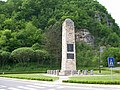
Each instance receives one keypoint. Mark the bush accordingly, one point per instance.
(29, 78)
(93, 82)
(22, 55)
(4, 57)
(41, 56)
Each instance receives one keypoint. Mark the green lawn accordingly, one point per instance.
(98, 78)
(30, 76)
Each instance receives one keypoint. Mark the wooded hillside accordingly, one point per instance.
(30, 31)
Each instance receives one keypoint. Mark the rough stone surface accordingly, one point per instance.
(68, 37)
(83, 35)
(91, 72)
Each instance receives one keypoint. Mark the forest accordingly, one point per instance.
(30, 33)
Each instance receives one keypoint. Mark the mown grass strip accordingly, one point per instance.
(23, 72)
(95, 80)
(39, 77)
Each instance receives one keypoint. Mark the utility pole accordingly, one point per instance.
(101, 50)
(99, 62)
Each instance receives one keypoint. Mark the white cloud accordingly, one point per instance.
(113, 7)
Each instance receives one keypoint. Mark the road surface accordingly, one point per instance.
(19, 84)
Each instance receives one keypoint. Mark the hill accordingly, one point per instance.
(37, 24)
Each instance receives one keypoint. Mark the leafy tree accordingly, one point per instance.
(111, 52)
(37, 24)
(22, 55)
(113, 40)
(4, 39)
(4, 58)
(2, 19)
(8, 41)
(53, 43)
(36, 46)
(41, 57)
(30, 35)
(85, 55)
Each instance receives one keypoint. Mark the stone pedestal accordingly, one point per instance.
(91, 72)
(79, 72)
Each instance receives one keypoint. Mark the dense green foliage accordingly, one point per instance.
(36, 24)
(111, 52)
(94, 82)
(22, 55)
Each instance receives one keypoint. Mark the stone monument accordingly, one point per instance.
(68, 64)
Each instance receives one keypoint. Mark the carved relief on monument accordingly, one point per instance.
(70, 36)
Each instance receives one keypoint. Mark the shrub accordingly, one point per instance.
(22, 55)
(93, 82)
(4, 57)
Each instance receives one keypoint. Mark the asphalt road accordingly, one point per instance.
(19, 84)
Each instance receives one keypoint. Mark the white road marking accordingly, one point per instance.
(28, 88)
(60, 87)
(86, 88)
(51, 89)
(13, 88)
(35, 86)
(2, 86)
(44, 85)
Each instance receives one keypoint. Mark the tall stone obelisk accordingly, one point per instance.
(68, 47)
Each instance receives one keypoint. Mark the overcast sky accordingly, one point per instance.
(113, 7)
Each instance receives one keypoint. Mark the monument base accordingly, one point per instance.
(68, 72)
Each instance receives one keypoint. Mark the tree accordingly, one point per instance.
(85, 55)
(22, 55)
(4, 39)
(36, 46)
(111, 52)
(37, 24)
(8, 41)
(30, 35)
(4, 58)
(53, 43)
(41, 57)
(2, 19)
(113, 39)
(9, 24)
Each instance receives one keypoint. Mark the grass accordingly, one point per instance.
(103, 78)
(33, 73)
(26, 68)
(97, 78)
(36, 76)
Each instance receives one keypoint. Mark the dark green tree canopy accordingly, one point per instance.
(37, 24)
(88, 14)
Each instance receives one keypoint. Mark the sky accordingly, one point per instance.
(113, 7)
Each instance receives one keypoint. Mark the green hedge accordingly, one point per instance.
(93, 82)
(23, 72)
(116, 71)
(28, 78)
